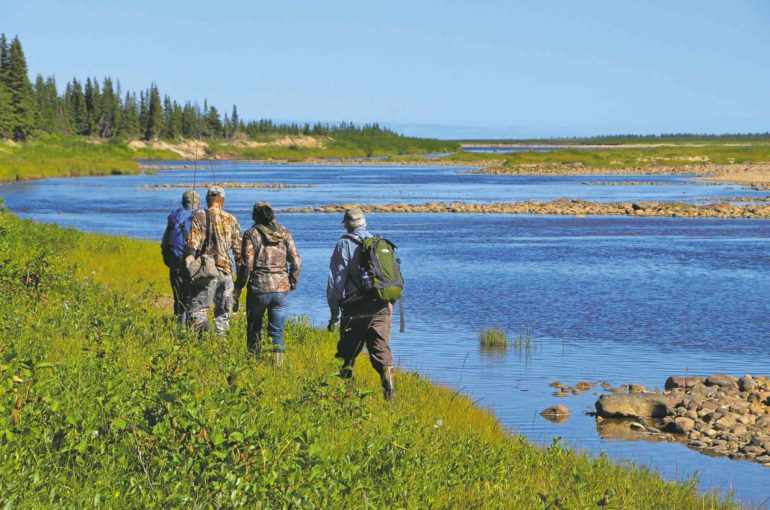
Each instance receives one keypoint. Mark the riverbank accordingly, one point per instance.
(563, 206)
(108, 403)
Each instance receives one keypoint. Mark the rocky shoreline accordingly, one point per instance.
(204, 185)
(562, 206)
(719, 415)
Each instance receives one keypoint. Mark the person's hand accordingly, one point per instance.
(332, 321)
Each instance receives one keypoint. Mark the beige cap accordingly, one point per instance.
(352, 214)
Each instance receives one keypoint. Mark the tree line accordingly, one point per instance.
(97, 108)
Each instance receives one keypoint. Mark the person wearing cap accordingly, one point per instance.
(365, 320)
(270, 266)
(172, 248)
(224, 237)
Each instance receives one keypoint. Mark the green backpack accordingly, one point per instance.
(379, 268)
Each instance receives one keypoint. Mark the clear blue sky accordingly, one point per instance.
(444, 68)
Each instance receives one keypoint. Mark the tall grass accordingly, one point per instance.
(104, 402)
(64, 156)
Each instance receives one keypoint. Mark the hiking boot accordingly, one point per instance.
(278, 359)
(388, 378)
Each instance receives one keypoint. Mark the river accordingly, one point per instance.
(617, 299)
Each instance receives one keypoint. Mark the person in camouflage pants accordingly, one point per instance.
(268, 249)
(224, 236)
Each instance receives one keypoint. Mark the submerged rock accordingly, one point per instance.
(633, 405)
(556, 414)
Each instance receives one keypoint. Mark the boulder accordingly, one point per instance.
(634, 405)
(689, 381)
(680, 425)
(637, 388)
(722, 380)
(746, 383)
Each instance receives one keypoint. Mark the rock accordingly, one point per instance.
(556, 384)
(676, 381)
(556, 414)
(725, 422)
(756, 450)
(763, 459)
(740, 430)
(637, 426)
(633, 405)
(680, 425)
(763, 421)
(583, 385)
(746, 383)
(637, 388)
(722, 380)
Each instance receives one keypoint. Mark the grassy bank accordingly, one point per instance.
(105, 403)
(65, 156)
(339, 146)
(693, 158)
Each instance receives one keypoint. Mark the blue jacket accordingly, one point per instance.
(343, 264)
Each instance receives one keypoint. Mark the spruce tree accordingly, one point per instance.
(235, 122)
(176, 119)
(154, 125)
(5, 54)
(189, 121)
(129, 118)
(78, 115)
(107, 123)
(22, 98)
(214, 122)
(5, 106)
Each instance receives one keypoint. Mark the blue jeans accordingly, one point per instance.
(277, 306)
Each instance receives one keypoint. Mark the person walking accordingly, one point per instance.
(366, 319)
(218, 234)
(270, 267)
(172, 247)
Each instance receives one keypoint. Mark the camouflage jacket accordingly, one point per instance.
(226, 237)
(266, 253)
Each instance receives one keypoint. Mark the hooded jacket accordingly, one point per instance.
(270, 261)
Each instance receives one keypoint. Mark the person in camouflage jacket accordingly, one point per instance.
(222, 238)
(270, 267)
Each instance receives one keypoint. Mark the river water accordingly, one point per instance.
(623, 300)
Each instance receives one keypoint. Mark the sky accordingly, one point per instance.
(449, 69)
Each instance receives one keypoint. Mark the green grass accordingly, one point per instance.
(105, 403)
(630, 157)
(493, 338)
(338, 147)
(66, 156)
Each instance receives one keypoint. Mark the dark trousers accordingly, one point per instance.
(366, 323)
(180, 288)
(277, 305)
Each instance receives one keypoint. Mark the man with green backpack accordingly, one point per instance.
(364, 283)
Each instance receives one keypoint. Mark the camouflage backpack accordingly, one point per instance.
(379, 268)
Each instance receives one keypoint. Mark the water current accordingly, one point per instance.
(623, 300)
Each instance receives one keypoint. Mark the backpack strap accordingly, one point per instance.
(352, 237)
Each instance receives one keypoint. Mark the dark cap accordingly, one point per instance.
(191, 197)
(353, 214)
(216, 191)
